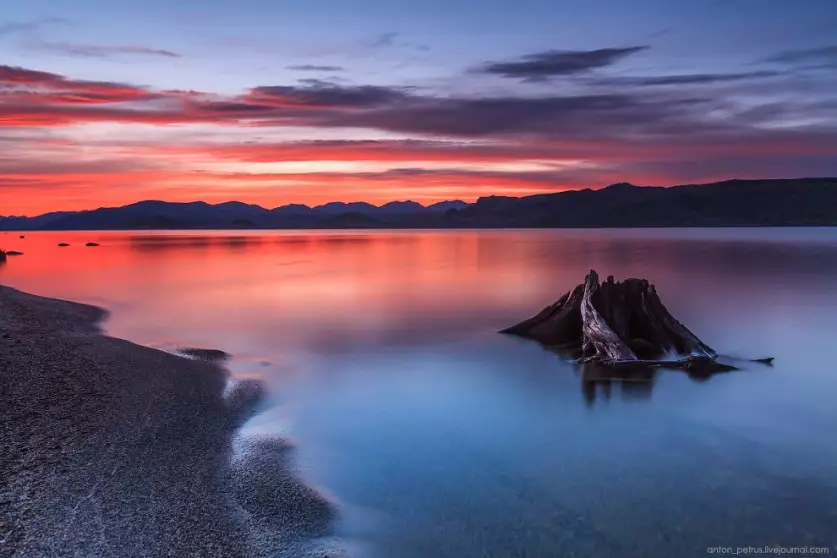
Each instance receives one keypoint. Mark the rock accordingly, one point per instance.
(21, 236)
(63, 244)
(92, 244)
(14, 253)
(2, 256)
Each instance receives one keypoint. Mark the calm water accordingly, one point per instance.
(444, 439)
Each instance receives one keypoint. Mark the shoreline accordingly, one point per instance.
(115, 449)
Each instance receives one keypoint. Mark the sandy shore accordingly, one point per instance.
(108, 448)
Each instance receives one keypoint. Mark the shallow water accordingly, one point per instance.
(442, 438)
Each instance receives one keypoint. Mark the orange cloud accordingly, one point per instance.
(372, 150)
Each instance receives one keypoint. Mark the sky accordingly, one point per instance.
(104, 103)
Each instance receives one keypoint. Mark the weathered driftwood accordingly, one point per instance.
(597, 335)
(620, 324)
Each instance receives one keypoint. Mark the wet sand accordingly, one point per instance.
(108, 448)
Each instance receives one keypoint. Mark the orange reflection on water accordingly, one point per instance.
(339, 285)
(329, 291)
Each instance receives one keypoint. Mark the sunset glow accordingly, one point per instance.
(366, 114)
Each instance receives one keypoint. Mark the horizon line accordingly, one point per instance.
(621, 183)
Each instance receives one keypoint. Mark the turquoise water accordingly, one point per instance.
(441, 438)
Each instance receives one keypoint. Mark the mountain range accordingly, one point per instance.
(780, 202)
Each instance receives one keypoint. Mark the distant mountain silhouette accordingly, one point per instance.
(807, 201)
(804, 201)
(447, 206)
(294, 209)
(32, 223)
(401, 207)
(336, 208)
(155, 214)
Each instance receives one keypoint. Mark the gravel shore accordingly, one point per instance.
(108, 448)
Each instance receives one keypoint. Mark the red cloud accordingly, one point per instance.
(40, 115)
(22, 76)
(24, 89)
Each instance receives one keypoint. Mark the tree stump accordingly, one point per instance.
(620, 324)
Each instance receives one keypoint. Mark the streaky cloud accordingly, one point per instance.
(316, 68)
(23, 27)
(683, 79)
(327, 94)
(393, 39)
(825, 56)
(552, 63)
(103, 51)
(384, 40)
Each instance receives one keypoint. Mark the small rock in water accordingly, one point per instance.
(14, 253)
(92, 244)
(63, 244)
(203, 354)
(21, 236)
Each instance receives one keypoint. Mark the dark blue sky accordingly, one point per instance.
(248, 42)
(524, 77)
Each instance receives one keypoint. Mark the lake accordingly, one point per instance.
(441, 438)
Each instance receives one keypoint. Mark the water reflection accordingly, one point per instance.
(636, 382)
(158, 243)
(597, 382)
(408, 406)
(237, 243)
